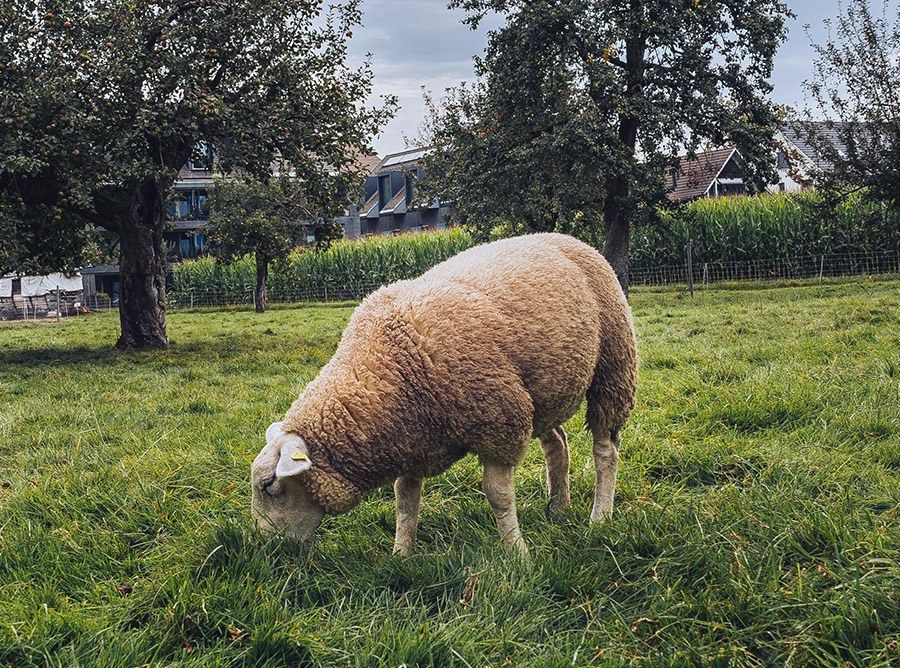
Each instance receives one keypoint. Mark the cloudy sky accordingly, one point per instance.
(416, 43)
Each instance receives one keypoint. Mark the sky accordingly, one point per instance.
(416, 43)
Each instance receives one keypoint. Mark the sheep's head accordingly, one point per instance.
(281, 501)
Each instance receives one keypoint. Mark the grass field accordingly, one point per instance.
(757, 510)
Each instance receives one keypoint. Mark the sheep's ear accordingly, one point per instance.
(293, 459)
(273, 431)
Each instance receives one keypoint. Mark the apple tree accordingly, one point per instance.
(582, 107)
(103, 101)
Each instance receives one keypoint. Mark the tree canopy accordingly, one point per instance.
(856, 88)
(582, 108)
(268, 219)
(104, 101)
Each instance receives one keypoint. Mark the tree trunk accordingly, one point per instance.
(142, 270)
(262, 277)
(617, 209)
(617, 231)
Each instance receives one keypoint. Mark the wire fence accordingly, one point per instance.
(62, 305)
(204, 297)
(786, 268)
(54, 305)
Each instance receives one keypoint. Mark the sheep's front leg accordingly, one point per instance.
(556, 455)
(606, 463)
(408, 492)
(500, 493)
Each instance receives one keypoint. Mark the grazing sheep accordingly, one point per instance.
(483, 351)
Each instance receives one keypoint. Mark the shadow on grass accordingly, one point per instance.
(41, 357)
(220, 348)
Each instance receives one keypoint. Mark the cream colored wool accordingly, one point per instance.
(479, 354)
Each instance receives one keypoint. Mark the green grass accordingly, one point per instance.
(757, 510)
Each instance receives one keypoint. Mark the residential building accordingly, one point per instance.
(393, 203)
(799, 159)
(717, 173)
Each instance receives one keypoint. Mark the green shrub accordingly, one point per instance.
(798, 225)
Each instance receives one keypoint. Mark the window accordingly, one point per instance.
(201, 158)
(782, 160)
(384, 190)
(190, 205)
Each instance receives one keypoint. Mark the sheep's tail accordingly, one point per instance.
(611, 394)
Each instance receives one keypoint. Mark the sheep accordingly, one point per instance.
(496, 345)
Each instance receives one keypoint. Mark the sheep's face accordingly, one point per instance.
(281, 501)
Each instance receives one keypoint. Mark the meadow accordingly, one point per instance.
(757, 512)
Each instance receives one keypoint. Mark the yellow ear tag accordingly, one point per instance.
(299, 457)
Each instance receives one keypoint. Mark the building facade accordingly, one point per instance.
(393, 203)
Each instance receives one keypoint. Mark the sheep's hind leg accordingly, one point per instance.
(556, 455)
(408, 492)
(501, 494)
(606, 463)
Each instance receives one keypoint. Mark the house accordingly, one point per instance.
(799, 158)
(188, 213)
(717, 173)
(392, 203)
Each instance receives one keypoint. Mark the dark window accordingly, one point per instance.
(384, 190)
(782, 160)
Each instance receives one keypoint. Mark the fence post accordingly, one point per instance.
(706, 273)
(57, 303)
(821, 267)
(690, 268)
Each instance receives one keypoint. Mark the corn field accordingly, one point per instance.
(739, 238)
(347, 270)
(770, 227)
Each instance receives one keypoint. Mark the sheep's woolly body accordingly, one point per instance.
(483, 351)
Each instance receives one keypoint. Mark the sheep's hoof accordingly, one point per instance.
(518, 548)
(401, 549)
(558, 511)
(598, 516)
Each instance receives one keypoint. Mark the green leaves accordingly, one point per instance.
(101, 96)
(855, 88)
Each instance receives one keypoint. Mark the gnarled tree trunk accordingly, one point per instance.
(142, 270)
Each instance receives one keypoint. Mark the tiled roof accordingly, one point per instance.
(801, 133)
(369, 162)
(694, 177)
